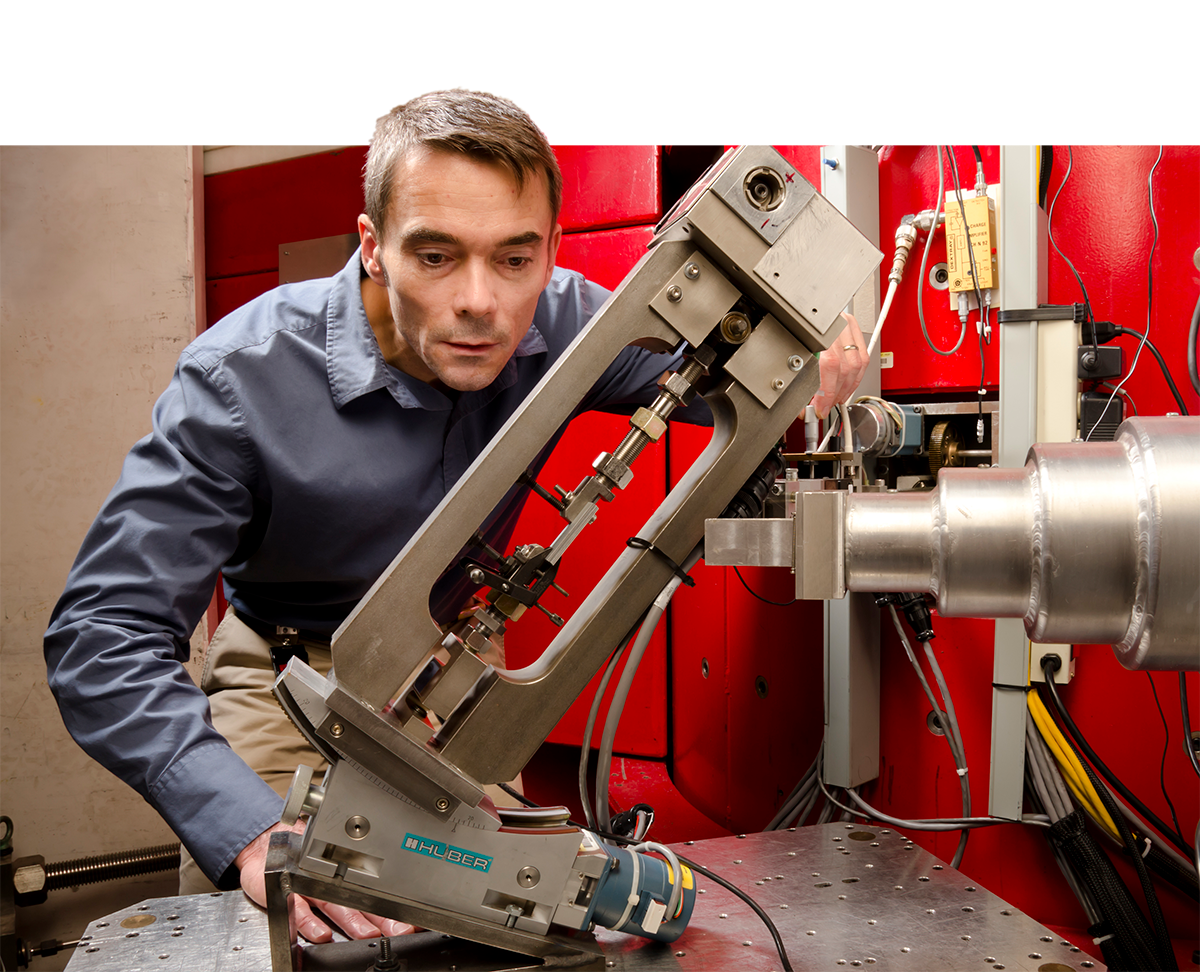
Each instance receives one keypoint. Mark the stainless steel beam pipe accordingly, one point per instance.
(1089, 542)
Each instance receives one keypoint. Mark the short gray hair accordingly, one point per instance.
(481, 126)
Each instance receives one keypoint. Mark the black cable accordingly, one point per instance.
(1193, 333)
(1087, 304)
(1047, 94)
(1150, 289)
(754, 906)
(765, 600)
(1162, 766)
(1161, 363)
(1116, 784)
(974, 280)
(1162, 937)
(732, 889)
(1187, 724)
(1161, 941)
(517, 795)
(975, 123)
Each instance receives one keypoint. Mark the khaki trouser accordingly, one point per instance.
(237, 679)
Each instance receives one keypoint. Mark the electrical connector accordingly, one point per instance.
(916, 612)
(1097, 332)
(906, 236)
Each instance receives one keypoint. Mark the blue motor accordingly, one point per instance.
(634, 895)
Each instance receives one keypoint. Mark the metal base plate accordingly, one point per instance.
(843, 896)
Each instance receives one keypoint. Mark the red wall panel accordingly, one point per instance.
(609, 185)
(249, 212)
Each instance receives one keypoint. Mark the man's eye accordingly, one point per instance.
(518, 261)
(432, 259)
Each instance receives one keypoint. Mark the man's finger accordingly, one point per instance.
(390, 926)
(308, 924)
(354, 923)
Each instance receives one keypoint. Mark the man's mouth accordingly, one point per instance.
(464, 348)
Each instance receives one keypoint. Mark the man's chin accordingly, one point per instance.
(467, 379)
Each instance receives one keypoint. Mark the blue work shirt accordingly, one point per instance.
(289, 457)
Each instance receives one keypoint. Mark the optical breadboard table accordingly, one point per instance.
(843, 896)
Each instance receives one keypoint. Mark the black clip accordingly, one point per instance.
(639, 544)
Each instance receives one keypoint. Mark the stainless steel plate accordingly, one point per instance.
(843, 896)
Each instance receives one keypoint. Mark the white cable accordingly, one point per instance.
(677, 870)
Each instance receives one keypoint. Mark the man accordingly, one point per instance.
(302, 441)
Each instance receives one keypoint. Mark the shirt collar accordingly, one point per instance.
(356, 366)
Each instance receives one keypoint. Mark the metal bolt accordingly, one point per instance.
(476, 575)
(442, 804)
(778, 384)
(795, 363)
(336, 730)
(674, 295)
(691, 271)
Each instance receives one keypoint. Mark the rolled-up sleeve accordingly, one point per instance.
(139, 586)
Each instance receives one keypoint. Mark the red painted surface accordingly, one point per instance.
(249, 212)
(908, 180)
(737, 754)
(609, 185)
(643, 729)
(604, 256)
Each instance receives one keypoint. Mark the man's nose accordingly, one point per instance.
(476, 294)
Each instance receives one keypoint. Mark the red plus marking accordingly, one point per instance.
(789, 176)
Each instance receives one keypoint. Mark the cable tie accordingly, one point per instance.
(1012, 688)
(638, 543)
(1101, 941)
(1146, 852)
(962, 772)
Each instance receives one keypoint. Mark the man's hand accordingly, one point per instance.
(843, 365)
(252, 862)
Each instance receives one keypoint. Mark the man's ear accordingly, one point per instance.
(551, 252)
(371, 250)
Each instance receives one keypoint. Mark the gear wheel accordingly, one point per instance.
(944, 443)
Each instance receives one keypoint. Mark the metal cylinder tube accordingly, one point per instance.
(1089, 542)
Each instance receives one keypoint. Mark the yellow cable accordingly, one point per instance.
(1073, 771)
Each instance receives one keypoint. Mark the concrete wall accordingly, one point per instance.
(98, 263)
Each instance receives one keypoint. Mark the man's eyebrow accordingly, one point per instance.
(521, 239)
(422, 234)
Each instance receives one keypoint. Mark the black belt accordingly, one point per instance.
(293, 639)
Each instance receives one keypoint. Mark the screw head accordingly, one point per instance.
(691, 271)
(794, 362)
(528, 876)
(778, 384)
(675, 295)
(336, 730)
(442, 804)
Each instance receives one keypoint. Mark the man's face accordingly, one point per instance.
(465, 257)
